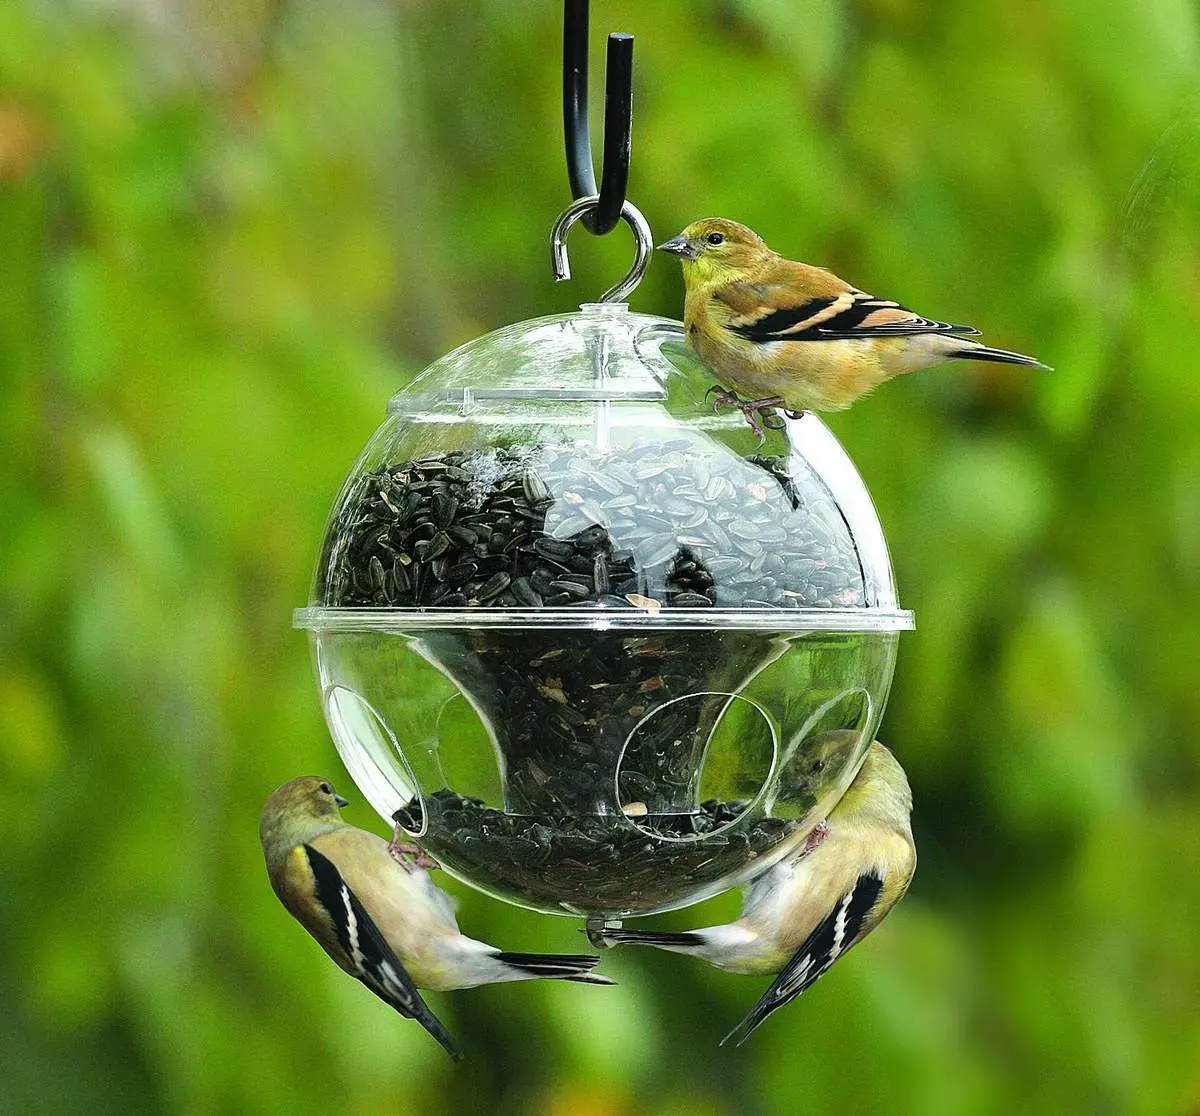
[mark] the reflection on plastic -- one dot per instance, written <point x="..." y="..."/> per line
<point x="370" y="751"/>
<point x="822" y="758"/>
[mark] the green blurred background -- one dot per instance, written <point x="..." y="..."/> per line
<point x="228" y="230"/>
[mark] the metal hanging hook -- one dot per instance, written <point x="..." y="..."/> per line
<point x="618" y="118"/>
<point x="641" y="236"/>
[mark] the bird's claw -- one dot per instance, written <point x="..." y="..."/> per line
<point x="724" y="398"/>
<point x="754" y="410"/>
<point x="816" y="836"/>
<point x="771" y="420"/>
<point x="410" y="855"/>
<point x="760" y="416"/>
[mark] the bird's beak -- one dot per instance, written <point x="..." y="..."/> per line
<point x="679" y="246"/>
<point x="340" y="800"/>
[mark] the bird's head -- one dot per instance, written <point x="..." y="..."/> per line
<point x="828" y="753"/>
<point x="714" y="248"/>
<point x="299" y="810"/>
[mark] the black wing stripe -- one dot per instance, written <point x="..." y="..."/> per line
<point x="781" y="325"/>
<point x="333" y="894"/>
<point x="375" y="961"/>
<point x="851" y="319"/>
<point x="769" y="327"/>
<point x="377" y="965"/>
<point x="832" y="937"/>
<point x="835" y="934"/>
<point x="894" y="329"/>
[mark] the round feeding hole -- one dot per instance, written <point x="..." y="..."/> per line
<point x="697" y="765"/>
<point x="467" y="757"/>
<point x="372" y="755"/>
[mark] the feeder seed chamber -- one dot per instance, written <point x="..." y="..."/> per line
<point x="595" y="650"/>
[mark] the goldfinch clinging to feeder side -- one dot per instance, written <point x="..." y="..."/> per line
<point x="803" y="914"/>
<point x="377" y="912"/>
<point x="786" y="334"/>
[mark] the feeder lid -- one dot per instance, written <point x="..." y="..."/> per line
<point x="601" y="352"/>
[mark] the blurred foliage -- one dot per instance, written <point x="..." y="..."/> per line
<point x="231" y="229"/>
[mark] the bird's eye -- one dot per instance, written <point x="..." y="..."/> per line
<point x="715" y="238"/>
<point x="326" y="788"/>
<point x="818" y="766"/>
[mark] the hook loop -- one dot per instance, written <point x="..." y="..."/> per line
<point x="642" y="237"/>
<point x="618" y="118"/>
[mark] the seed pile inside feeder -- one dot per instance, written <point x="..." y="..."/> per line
<point x="568" y="862"/>
<point x="650" y="525"/>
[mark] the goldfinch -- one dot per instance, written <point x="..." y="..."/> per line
<point x="378" y="914"/>
<point x="803" y="914"/>
<point x="786" y="334"/>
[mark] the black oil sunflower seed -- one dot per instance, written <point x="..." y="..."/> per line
<point x="753" y="533"/>
<point x="567" y="858"/>
<point x="497" y="583"/>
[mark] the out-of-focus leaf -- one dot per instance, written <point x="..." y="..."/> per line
<point x="229" y="231"/>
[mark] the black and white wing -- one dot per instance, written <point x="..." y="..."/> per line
<point x="373" y="960"/>
<point x="835" y="317"/>
<point x="835" y="934"/>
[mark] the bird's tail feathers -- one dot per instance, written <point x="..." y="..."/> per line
<point x="742" y="1031"/>
<point x="651" y="938"/>
<point x="999" y="356"/>
<point x="556" y="966"/>
<point x="433" y="1025"/>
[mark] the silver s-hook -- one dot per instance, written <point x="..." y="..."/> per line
<point x="642" y="237"/>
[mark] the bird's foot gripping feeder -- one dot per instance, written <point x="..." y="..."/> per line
<point x="597" y="653"/>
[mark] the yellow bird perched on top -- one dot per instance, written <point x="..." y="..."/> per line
<point x="786" y="334"/>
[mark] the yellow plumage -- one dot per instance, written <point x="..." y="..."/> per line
<point x="776" y="332"/>
<point x="375" y="910"/>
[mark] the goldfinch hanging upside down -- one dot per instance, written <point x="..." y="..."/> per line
<point x="786" y="334"/>
<point x="374" y="909"/>
<point x="803" y="914"/>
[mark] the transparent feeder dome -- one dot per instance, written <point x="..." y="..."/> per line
<point x="593" y="647"/>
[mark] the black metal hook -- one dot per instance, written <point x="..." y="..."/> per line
<point x="618" y="118"/>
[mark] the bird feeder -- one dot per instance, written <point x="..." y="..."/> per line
<point x="596" y="652"/>
<point x="592" y="647"/>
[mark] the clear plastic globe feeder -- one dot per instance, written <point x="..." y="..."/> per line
<point x="598" y="652"/>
